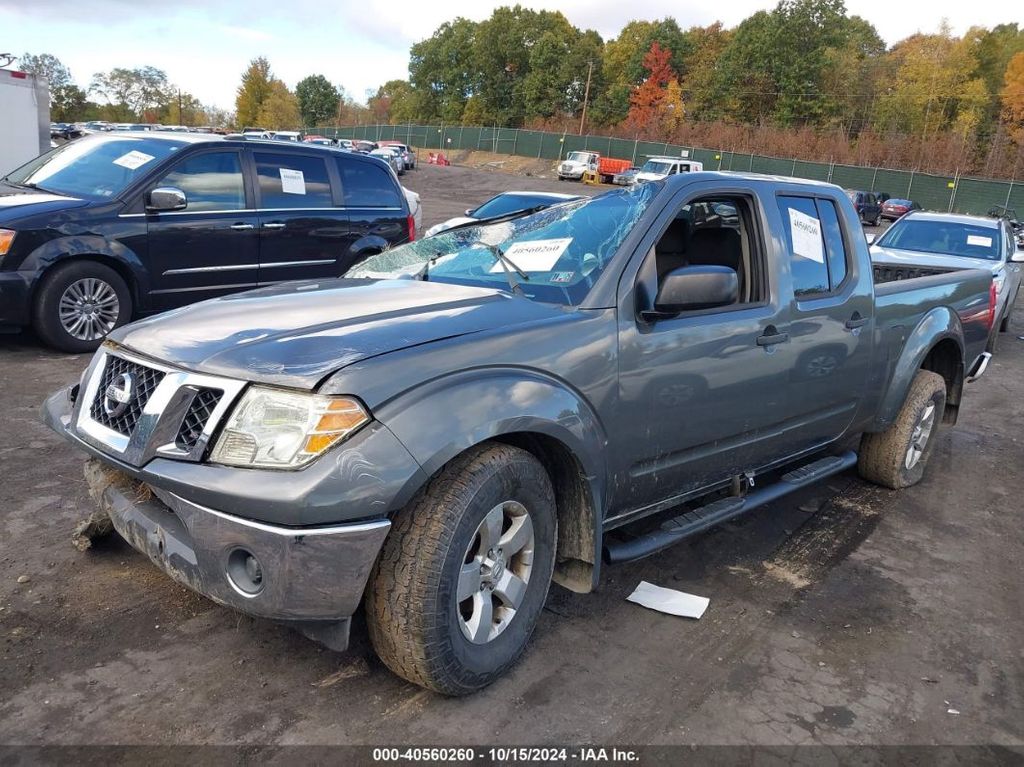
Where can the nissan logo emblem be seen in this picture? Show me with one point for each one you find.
(118, 395)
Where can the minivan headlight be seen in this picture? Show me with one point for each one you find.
(277, 429)
(6, 240)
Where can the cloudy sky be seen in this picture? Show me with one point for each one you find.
(204, 46)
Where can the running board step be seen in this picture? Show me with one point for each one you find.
(724, 509)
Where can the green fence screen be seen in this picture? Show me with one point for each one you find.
(945, 193)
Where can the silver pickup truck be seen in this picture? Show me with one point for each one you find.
(463, 419)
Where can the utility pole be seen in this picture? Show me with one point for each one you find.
(586, 95)
(181, 121)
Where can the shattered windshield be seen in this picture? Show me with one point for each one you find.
(561, 250)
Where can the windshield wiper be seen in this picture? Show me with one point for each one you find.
(423, 273)
(507, 265)
(499, 218)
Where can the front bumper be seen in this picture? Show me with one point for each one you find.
(305, 575)
(15, 291)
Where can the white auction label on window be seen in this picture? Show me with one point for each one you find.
(535, 256)
(133, 160)
(806, 233)
(292, 181)
(977, 239)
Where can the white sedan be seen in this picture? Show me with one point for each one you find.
(502, 205)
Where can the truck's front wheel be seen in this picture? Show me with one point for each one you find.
(896, 457)
(463, 576)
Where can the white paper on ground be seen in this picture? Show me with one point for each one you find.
(669, 601)
(292, 181)
(536, 255)
(806, 233)
(133, 160)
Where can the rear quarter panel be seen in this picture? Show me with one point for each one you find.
(912, 316)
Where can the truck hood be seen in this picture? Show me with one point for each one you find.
(297, 333)
(16, 201)
(897, 257)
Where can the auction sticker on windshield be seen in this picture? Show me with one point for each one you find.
(977, 239)
(133, 160)
(536, 255)
(806, 235)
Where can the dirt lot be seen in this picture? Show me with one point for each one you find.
(844, 615)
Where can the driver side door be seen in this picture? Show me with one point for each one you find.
(212, 246)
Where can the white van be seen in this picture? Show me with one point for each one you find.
(657, 168)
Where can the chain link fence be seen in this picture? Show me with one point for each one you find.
(961, 194)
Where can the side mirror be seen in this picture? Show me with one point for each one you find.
(469, 212)
(870, 237)
(690, 288)
(166, 198)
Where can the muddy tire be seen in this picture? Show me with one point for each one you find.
(896, 457)
(463, 575)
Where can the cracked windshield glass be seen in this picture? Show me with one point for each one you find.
(555, 255)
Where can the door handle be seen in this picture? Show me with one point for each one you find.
(242, 227)
(274, 225)
(856, 321)
(772, 336)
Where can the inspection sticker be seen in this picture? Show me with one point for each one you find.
(977, 239)
(536, 255)
(562, 276)
(806, 234)
(133, 160)
(292, 181)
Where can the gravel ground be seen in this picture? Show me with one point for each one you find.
(847, 614)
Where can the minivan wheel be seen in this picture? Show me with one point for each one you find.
(463, 575)
(896, 457)
(78, 304)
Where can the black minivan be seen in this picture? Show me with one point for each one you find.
(115, 226)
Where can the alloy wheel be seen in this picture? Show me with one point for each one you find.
(88, 309)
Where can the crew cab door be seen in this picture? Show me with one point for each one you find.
(211, 247)
(702, 394)
(831, 327)
(304, 232)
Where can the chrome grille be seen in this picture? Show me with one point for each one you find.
(196, 417)
(144, 382)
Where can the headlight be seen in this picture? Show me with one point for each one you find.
(6, 239)
(276, 429)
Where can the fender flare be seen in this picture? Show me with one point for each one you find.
(445, 417)
(114, 253)
(937, 325)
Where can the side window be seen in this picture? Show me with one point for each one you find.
(713, 231)
(211, 181)
(806, 245)
(835, 248)
(292, 181)
(367, 184)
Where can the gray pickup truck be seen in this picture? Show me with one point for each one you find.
(463, 419)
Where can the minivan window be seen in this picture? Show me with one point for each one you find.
(292, 181)
(95, 167)
(367, 184)
(210, 181)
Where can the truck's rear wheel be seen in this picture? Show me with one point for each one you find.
(462, 578)
(896, 457)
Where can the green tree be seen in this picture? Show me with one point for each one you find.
(394, 102)
(441, 71)
(318, 100)
(705, 47)
(255, 88)
(47, 66)
(133, 92)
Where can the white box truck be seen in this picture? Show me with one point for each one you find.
(24, 118)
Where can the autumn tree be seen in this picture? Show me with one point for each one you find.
(255, 88)
(656, 104)
(133, 92)
(1012, 97)
(280, 109)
